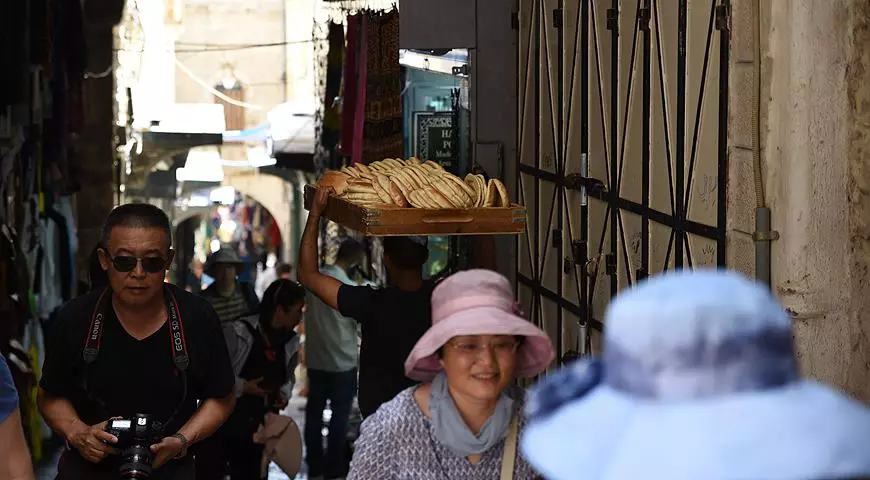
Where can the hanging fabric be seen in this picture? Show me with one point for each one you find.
(329, 137)
(382, 128)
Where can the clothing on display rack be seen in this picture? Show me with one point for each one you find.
(43, 56)
(329, 137)
(382, 131)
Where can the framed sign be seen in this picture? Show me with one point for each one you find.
(433, 137)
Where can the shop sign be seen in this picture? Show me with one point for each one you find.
(433, 137)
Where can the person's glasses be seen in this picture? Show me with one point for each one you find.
(500, 347)
(127, 263)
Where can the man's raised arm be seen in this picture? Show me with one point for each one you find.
(324, 286)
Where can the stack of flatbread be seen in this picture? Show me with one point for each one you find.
(396, 183)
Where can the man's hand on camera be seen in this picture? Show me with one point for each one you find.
(253, 388)
(93, 442)
(166, 450)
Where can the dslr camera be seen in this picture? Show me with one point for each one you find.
(135, 436)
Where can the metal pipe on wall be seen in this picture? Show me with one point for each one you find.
(763, 236)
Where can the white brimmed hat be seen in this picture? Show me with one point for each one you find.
(698, 380)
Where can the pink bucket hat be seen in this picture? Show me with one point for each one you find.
(477, 302)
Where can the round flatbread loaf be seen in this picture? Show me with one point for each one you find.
(393, 163)
(491, 195)
(471, 181)
(335, 180)
(503, 199)
(480, 188)
(455, 196)
(419, 175)
(363, 198)
(398, 195)
(419, 200)
(460, 184)
(440, 200)
(458, 196)
(382, 193)
(378, 166)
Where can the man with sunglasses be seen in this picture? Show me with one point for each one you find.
(136, 346)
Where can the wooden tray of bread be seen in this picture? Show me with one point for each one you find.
(410, 197)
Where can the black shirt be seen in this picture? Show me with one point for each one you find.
(392, 320)
(132, 376)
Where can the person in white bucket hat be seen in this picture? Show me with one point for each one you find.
(698, 381)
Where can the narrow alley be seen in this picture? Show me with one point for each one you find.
(395, 239)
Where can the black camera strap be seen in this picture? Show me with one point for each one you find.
(177, 342)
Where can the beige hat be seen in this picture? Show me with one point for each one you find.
(283, 444)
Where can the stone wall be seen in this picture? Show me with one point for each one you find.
(96, 170)
(260, 69)
(815, 121)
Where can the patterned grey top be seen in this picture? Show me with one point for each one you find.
(397, 443)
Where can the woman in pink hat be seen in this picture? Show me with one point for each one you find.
(463, 421)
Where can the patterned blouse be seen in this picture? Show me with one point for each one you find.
(397, 443)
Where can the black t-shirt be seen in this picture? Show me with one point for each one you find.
(132, 376)
(392, 320)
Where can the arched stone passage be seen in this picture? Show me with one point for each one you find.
(273, 193)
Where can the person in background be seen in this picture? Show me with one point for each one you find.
(96, 277)
(266, 276)
(230, 298)
(465, 420)
(284, 270)
(263, 349)
(698, 379)
(331, 362)
(392, 318)
(111, 354)
(15, 463)
(194, 277)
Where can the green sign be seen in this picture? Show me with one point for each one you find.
(433, 137)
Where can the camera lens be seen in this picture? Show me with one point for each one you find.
(137, 462)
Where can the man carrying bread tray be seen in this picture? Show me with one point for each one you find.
(393, 318)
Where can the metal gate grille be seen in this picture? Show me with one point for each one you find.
(622, 146)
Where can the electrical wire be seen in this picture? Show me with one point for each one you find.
(205, 48)
(105, 73)
(214, 91)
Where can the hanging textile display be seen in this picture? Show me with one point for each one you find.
(329, 137)
(354, 101)
(42, 50)
(382, 130)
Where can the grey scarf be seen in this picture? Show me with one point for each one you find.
(452, 431)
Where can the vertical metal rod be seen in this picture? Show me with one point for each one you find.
(584, 170)
(722, 162)
(680, 158)
(613, 188)
(560, 168)
(645, 141)
(521, 103)
(538, 22)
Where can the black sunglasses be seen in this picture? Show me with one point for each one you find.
(127, 263)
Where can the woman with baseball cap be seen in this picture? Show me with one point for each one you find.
(463, 421)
